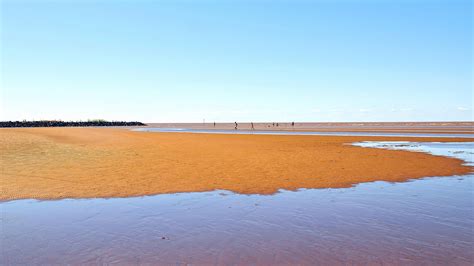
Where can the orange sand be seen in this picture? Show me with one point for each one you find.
(53, 163)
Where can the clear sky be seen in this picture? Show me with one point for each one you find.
(183, 61)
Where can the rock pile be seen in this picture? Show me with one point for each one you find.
(56, 123)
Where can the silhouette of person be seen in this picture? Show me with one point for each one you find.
(252, 125)
(236, 125)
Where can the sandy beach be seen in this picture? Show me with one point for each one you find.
(54, 163)
(236, 133)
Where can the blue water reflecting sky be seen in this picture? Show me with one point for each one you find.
(309, 133)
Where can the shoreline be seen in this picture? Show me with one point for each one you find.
(58, 163)
(365, 133)
(407, 127)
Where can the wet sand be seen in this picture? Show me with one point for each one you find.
(54, 163)
(394, 127)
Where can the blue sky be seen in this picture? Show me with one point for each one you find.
(184, 61)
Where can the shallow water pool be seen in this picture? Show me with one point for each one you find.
(305, 133)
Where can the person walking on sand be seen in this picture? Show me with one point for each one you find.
(251, 123)
(293, 124)
(214, 124)
(236, 125)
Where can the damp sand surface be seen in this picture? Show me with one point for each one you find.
(425, 221)
(365, 127)
(55, 163)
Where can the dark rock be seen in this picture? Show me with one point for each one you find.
(58, 123)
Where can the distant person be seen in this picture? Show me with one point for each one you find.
(236, 125)
(293, 124)
(273, 124)
(277, 124)
(252, 125)
(214, 124)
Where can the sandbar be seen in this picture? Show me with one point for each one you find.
(56, 163)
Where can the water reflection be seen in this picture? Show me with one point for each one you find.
(306, 133)
(460, 150)
(427, 221)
